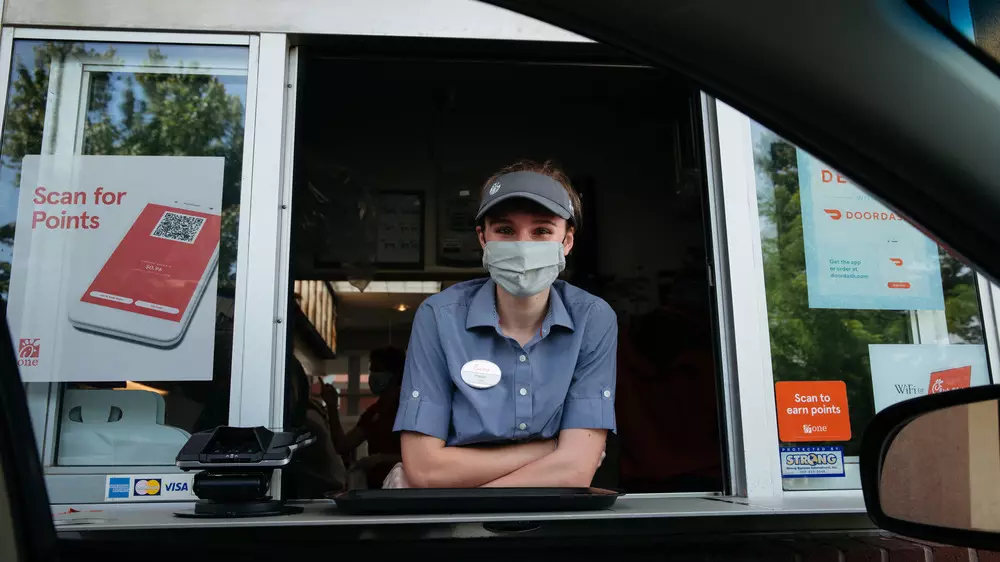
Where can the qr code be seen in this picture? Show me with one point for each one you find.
(178, 227)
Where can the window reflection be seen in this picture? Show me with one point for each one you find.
(811, 343)
(71, 100)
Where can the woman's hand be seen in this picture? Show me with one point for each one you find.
(329, 395)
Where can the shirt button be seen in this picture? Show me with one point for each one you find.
(607, 394)
(416, 394)
(523, 426)
(524, 392)
(523, 358)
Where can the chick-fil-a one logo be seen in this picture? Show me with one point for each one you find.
(28, 351)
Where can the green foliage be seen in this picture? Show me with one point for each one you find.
(157, 114)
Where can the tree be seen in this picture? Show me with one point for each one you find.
(187, 113)
(25, 116)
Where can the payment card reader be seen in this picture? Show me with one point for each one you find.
(236, 465)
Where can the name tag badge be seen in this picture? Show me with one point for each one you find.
(480, 373)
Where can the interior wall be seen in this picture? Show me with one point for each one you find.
(442, 127)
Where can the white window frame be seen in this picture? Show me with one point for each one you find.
(85, 484)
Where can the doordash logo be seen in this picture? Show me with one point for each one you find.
(837, 214)
(28, 352)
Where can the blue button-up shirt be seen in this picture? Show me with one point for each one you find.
(563, 378)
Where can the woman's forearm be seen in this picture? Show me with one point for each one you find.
(573, 464)
(559, 469)
(429, 464)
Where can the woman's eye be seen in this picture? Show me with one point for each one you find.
(543, 232)
(504, 230)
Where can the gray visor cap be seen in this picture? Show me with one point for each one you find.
(533, 186)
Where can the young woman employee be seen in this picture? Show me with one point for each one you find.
(510, 380)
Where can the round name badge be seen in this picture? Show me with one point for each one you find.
(480, 373)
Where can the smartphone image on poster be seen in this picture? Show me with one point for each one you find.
(150, 285)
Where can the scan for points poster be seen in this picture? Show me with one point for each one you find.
(904, 371)
(859, 254)
(114, 266)
(812, 411)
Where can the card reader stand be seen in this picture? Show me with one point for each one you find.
(236, 465)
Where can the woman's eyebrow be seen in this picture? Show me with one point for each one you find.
(545, 221)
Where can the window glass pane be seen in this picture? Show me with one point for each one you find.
(863, 310)
(120, 172)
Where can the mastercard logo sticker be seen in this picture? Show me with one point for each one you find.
(150, 487)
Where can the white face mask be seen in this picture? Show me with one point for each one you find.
(524, 268)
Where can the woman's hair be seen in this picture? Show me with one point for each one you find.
(547, 168)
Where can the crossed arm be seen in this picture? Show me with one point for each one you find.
(428, 463)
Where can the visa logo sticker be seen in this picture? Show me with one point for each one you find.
(150, 487)
(176, 487)
(812, 462)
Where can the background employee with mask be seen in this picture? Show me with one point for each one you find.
(510, 380)
(385, 375)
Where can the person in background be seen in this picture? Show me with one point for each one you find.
(385, 375)
(317, 468)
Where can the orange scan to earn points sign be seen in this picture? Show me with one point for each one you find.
(812, 411)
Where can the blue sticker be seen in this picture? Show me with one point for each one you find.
(812, 462)
(119, 488)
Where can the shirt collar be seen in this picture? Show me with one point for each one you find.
(483, 309)
(558, 315)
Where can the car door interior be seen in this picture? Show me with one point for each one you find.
(33, 534)
(871, 87)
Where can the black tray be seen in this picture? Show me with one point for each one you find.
(472, 500)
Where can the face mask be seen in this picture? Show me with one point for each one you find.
(378, 381)
(523, 268)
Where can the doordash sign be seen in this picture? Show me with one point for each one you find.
(859, 254)
(812, 411)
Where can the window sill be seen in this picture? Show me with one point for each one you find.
(122, 517)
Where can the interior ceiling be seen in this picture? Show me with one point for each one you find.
(376, 310)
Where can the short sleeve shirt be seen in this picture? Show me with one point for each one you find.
(563, 378)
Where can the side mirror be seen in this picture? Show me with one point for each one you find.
(930, 468)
